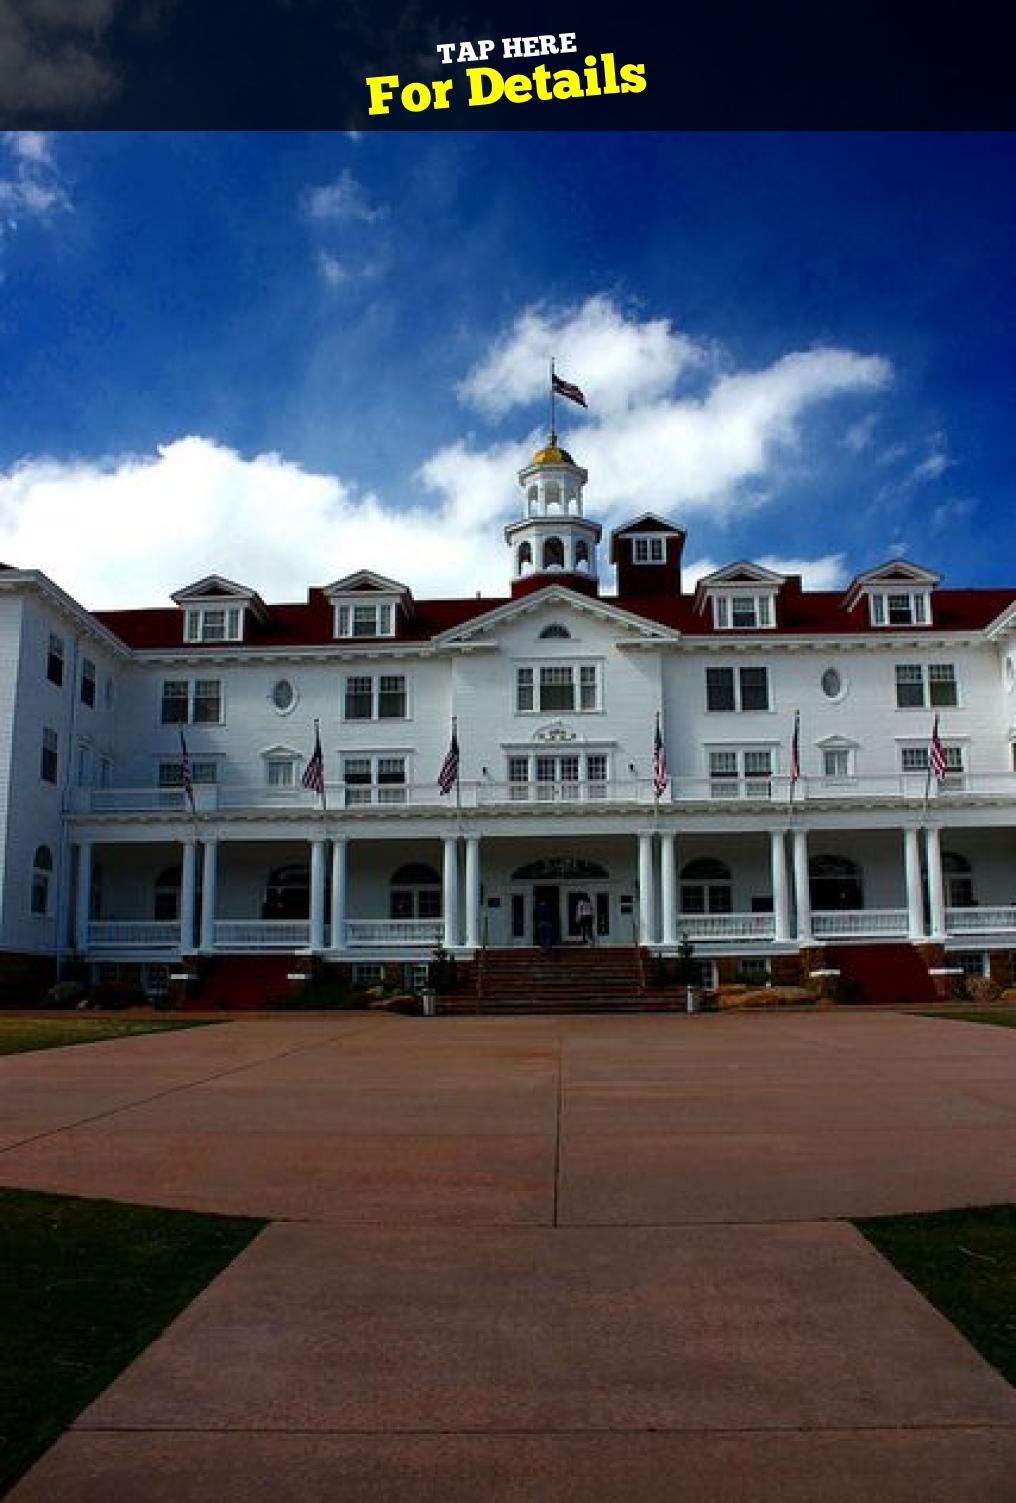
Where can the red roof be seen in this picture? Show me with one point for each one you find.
(807, 612)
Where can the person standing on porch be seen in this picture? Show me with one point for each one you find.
(584, 915)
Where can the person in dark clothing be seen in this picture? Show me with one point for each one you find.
(544, 925)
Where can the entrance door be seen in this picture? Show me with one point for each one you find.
(551, 897)
(601, 912)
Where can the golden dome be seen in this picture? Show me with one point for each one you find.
(552, 454)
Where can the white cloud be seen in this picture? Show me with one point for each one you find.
(29, 145)
(828, 572)
(934, 464)
(30, 185)
(345, 201)
(614, 359)
(331, 269)
(859, 435)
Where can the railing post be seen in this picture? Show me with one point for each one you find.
(912, 876)
(208, 874)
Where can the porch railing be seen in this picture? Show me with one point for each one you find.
(261, 934)
(979, 920)
(726, 925)
(855, 923)
(119, 934)
(364, 932)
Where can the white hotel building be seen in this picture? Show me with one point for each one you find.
(556, 688)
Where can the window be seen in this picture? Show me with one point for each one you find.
(903, 608)
(553, 554)
(283, 696)
(970, 962)
(55, 659)
(915, 759)
(552, 777)
(742, 612)
(554, 630)
(87, 682)
(280, 772)
(557, 688)
(706, 887)
(919, 685)
(374, 779)
(737, 689)
(363, 620)
(202, 771)
(838, 762)
(166, 897)
(199, 703)
(42, 873)
(375, 697)
(368, 973)
(50, 755)
(832, 683)
(649, 550)
(415, 893)
(755, 969)
(214, 624)
(83, 775)
(741, 772)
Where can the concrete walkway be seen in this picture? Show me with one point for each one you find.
(527, 1259)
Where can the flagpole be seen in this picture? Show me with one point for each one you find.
(793, 779)
(553, 428)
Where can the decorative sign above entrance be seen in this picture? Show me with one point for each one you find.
(554, 868)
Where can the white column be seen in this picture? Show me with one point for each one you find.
(317, 895)
(647, 893)
(668, 886)
(83, 896)
(473, 892)
(781, 907)
(936, 889)
(339, 862)
(208, 874)
(188, 894)
(802, 887)
(450, 892)
(912, 874)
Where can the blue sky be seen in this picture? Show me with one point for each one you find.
(282, 357)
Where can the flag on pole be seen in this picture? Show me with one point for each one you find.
(314, 773)
(661, 776)
(449, 774)
(936, 754)
(186, 772)
(795, 751)
(567, 389)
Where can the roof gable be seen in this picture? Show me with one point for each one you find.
(214, 587)
(558, 595)
(365, 581)
(895, 571)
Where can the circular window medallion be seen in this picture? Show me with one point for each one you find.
(283, 696)
(832, 683)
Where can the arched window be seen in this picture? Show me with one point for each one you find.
(167, 895)
(533, 496)
(582, 556)
(42, 875)
(835, 883)
(524, 557)
(555, 629)
(415, 892)
(287, 893)
(959, 880)
(553, 554)
(706, 886)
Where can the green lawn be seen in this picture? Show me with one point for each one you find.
(17, 1035)
(85, 1285)
(1002, 1018)
(964, 1262)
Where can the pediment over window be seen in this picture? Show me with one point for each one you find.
(742, 572)
(898, 593)
(366, 604)
(215, 609)
(741, 596)
(365, 581)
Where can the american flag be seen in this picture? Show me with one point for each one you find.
(936, 754)
(314, 772)
(186, 772)
(567, 389)
(661, 776)
(449, 774)
(795, 750)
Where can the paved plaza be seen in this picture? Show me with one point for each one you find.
(538, 1258)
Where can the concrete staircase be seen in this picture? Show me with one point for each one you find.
(571, 979)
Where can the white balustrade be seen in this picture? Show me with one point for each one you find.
(855, 923)
(261, 934)
(979, 920)
(726, 925)
(361, 932)
(109, 934)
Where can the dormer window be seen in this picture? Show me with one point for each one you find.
(742, 612)
(900, 608)
(214, 624)
(650, 549)
(365, 619)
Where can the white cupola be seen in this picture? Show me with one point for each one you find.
(553, 539)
